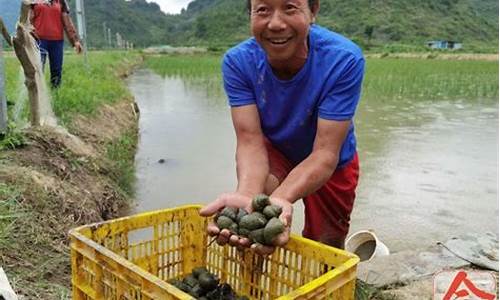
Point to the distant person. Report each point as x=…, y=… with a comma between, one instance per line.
x=50, y=18
x=293, y=90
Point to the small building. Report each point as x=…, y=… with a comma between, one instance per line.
x=444, y=45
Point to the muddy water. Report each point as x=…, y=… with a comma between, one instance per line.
x=365, y=250
x=429, y=168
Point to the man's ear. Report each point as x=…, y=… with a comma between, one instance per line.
x=315, y=11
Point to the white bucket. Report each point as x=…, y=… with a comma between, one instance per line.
x=366, y=245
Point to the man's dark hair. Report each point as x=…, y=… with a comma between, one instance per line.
x=311, y=4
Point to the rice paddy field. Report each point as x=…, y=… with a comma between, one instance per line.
x=423, y=127
x=385, y=78
x=185, y=65
x=445, y=111
x=85, y=87
x=431, y=79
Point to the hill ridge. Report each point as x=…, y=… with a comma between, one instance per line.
x=223, y=23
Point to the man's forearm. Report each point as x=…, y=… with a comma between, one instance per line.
x=252, y=167
x=69, y=28
x=307, y=177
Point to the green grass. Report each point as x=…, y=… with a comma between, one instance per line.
x=11, y=138
x=365, y=291
x=9, y=212
x=12, y=69
x=121, y=153
x=426, y=79
x=84, y=89
x=35, y=216
x=32, y=240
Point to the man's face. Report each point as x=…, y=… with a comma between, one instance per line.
x=281, y=27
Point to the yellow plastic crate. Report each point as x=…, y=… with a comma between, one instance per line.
x=133, y=257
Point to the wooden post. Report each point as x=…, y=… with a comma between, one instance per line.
x=82, y=27
x=109, y=38
x=25, y=48
x=5, y=33
x=118, y=40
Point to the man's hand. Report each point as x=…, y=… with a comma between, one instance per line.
x=286, y=218
x=77, y=47
x=236, y=200
x=243, y=201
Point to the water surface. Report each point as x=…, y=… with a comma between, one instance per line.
x=429, y=169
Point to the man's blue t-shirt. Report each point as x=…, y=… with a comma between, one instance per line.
x=328, y=86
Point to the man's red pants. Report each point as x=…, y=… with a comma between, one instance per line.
x=328, y=210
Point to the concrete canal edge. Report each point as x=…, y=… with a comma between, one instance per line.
x=409, y=274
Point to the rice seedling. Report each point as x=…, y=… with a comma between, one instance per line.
x=424, y=79
x=430, y=79
x=185, y=65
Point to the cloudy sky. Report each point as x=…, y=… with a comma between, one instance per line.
x=172, y=6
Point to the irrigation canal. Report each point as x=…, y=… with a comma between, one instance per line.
x=429, y=168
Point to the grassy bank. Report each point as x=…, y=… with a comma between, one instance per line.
x=58, y=181
x=11, y=77
x=87, y=87
x=122, y=152
x=413, y=78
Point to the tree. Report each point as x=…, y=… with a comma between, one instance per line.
x=369, y=32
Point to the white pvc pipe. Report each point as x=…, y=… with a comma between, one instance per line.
x=357, y=239
x=6, y=290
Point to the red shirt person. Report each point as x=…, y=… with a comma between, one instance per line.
x=51, y=19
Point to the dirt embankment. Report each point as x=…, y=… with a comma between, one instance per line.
x=57, y=182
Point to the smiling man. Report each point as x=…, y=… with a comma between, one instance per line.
x=293, y=90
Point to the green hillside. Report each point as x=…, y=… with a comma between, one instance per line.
x=137, y=21
x=369, y=22
x=221, y=23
